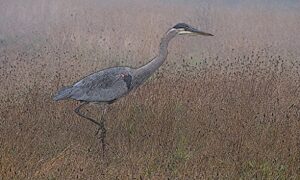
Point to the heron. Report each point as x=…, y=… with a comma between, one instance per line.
x=108, y=85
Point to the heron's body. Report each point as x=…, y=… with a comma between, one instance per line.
x=103, y=86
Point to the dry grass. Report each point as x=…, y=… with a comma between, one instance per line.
x=230, y=110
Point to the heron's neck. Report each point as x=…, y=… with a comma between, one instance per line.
x=148, y=69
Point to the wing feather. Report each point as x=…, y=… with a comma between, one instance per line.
x=105, y=85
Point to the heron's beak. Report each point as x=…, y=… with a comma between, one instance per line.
x=194, y=31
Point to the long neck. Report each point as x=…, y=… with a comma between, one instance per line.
x=147, y=70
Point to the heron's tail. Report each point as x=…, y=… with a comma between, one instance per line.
x=63, y=93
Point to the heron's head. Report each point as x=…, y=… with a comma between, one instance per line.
x=182, y=28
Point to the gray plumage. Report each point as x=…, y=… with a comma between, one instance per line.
x=103, y=86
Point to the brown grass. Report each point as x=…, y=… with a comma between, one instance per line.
x=230, y=110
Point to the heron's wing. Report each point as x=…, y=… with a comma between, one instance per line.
x=100, y=79
x=105, y=85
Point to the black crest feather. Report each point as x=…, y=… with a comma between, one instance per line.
x=181, y=26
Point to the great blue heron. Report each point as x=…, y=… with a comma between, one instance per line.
x=108, y=85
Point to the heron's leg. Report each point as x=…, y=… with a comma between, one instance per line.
x=103, y=130
x=100, y=124
x=77, y=111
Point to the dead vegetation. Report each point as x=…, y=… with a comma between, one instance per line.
x=229, y=110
